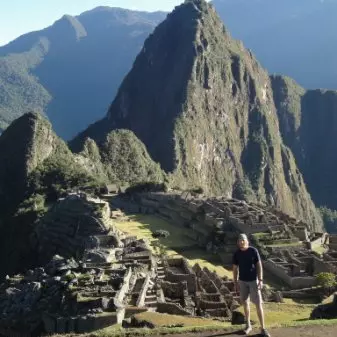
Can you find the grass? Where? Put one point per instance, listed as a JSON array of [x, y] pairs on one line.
[[205, 259], [320, 249], [177, 244], [144, 225], [260, 235], [308, 300], [118, 331], [165, 320], [284, 313], [290, 244]]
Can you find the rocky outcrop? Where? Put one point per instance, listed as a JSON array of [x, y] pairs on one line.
[[325, 311], [66, 228], [23, 146], [204, 108]]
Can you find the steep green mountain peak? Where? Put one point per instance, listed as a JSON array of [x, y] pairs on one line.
[[204, 108]]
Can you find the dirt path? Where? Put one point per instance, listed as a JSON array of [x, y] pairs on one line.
[[305, 331]]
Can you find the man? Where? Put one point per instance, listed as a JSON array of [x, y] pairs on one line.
[[248, 280]]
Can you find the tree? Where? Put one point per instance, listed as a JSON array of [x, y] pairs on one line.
[[327, 281]]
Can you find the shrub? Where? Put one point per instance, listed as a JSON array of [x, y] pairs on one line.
[[160, 249], [161, 233], [327, 281], [58, 174], [146, 187], [329, 218], [197, 190]]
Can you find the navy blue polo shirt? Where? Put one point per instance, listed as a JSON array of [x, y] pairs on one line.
[[247, 260]]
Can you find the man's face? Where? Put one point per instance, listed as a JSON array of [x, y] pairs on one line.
[[243, 244]]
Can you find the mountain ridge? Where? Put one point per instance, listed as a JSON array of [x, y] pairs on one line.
[[212, 105], [73, 66], [308, 124]]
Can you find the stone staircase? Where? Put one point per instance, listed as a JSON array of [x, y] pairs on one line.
[[151, 298], [160, 270]]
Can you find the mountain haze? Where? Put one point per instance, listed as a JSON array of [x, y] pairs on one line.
[[308, 123], [296, 38], [71, 69], [204, 108]]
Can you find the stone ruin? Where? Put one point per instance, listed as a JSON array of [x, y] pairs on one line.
[[91, 275], [214, 223], [102, 278], [66, 228], [332, 242], [296, 268]]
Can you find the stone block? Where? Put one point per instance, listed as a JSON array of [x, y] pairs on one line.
[[83, 324], [61, 324], [49, 323], [72, 324]]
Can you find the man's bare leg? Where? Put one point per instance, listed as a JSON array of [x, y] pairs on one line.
[[246, 308], [260, 315]]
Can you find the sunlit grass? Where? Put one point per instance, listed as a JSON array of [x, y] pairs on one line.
[[143, 226], [177, 244], [283, 313], [165, 320]]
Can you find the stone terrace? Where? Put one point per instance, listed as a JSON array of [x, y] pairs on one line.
[[104, 277], [297, 268], [214, 223]]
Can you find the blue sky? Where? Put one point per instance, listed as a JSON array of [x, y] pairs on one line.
[[18, 17]]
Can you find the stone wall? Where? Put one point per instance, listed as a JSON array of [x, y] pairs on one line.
[[13, 333], [301, 233], [83, 324], [142, 294], [321, 266], [119, 298], [187, 274], [333, 242], [172, 309], [65, 229], [174, 290], [293, 282]]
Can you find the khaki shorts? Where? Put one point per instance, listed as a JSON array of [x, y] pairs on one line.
[[250, 290]]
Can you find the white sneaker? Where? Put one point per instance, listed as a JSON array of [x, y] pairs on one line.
[[248, 330]]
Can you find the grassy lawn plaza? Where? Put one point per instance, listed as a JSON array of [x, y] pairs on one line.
[[177, 244], [170, 324]]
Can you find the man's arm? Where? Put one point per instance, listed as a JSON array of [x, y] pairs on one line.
[[259, 271], [235, 278], [235, 263], [235, 273]]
